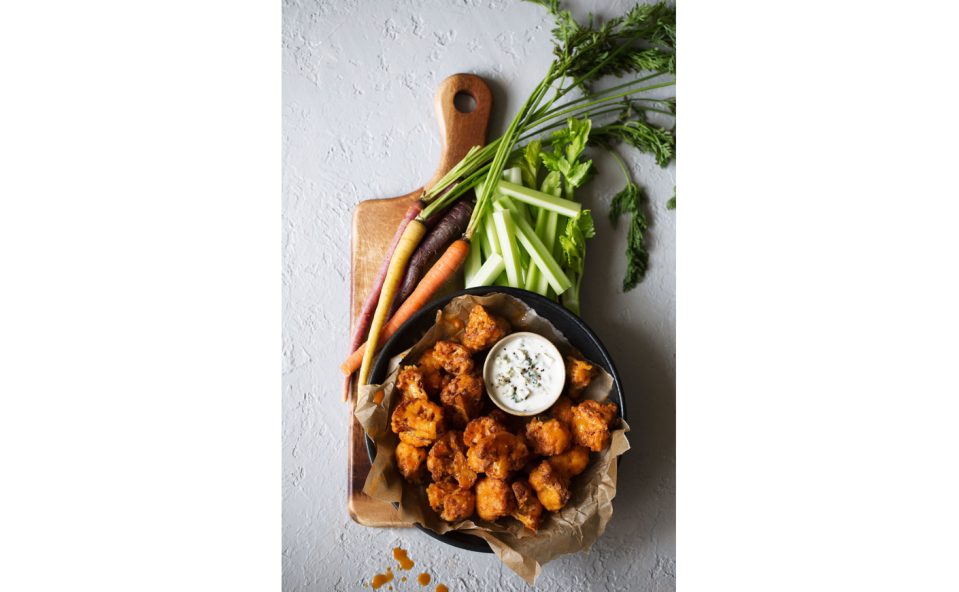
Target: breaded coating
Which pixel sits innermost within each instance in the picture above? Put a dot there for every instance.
(524, 452)
(433, 373)
(463, 399)
(480, 428)
(450, 501)
(410, 383)
(548, 438)
(572, 462)
(497, 455)
(418, 422)
(411, 462)
(448, 458)
(591, 424)
(562, 410)
(551, 488)
(453, 357)
(494, 498)
(483, 329)
(529, 510)
(579, 373)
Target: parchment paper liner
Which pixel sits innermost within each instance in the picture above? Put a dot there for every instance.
(572, 529)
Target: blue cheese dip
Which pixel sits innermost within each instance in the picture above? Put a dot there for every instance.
(525, 374)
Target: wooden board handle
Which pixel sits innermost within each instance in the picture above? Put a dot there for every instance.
(460, 131)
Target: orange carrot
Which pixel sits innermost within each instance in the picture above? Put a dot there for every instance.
(441, 271)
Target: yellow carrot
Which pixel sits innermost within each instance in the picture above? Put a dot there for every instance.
(404, 249)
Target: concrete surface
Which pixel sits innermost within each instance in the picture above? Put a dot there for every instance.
(358, 123)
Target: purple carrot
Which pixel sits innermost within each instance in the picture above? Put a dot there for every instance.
(365, 317)
(449, 229)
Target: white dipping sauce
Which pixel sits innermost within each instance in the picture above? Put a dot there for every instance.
(526, 374)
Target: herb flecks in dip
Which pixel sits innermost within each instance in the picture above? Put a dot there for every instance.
(526, 373)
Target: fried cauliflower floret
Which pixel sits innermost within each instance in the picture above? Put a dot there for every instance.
(551, 488)
(448, 458)
(529, 510)
(450, 501)
(418, 422)
(548, 438)
(410, 383)
(480, 428)
(591, 424)
(579, 373)
(453, 357)
(463, 399)
(483, 329)
(494, 498)
(572, 462)
(562, 410)
(497, 455)
(433, 374)
(411, 462)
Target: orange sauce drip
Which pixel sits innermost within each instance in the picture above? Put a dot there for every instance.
(378, 397)
(405, 562)
(424, 579)
(381, 579)
(442, 588)
(403, 578)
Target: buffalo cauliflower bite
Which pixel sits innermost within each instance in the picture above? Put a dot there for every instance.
(448, 458)
(552, 489)
(411, 462)
(591, 424)
(579, 373)
(572, 462)
(548, 438)
(529, 510)
(480, 428)
(483, 329)
(562, 410)
(450, 501)
(462, 399)
(494, 499)
(410, 383)
(453, 357)
(434, 377)
(418, 422)
(498, 454)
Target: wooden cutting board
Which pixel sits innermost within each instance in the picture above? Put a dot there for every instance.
(374, 224)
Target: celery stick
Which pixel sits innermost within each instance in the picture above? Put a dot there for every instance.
(515, 176)
(488, 273)
(506, 230)
(474, 262)
(490, 228)
(537, 250)
(484, 239)
(563, 207)
(548, 236)
(502, 280)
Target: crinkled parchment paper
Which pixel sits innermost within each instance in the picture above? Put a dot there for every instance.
(572, 529)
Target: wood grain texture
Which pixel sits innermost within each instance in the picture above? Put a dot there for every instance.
(374, 223)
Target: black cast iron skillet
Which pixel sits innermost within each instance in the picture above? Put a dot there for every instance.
(575, 330)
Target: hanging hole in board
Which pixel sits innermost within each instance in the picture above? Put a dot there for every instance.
(464, 102)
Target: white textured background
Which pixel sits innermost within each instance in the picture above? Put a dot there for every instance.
(358, 124)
